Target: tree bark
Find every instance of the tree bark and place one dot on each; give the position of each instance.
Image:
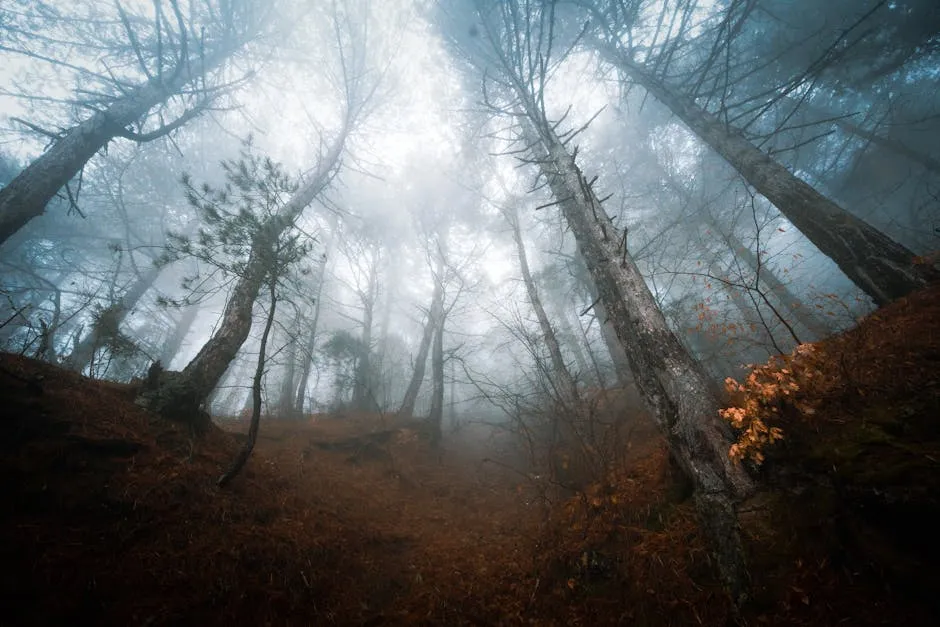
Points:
(26, 196)
(881, 267)
(204, 371)
(672, 383)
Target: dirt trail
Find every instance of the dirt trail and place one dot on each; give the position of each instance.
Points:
(444, 526)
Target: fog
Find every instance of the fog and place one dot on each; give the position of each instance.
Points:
(406, 126)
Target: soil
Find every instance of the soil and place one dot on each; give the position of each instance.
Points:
(112, 516)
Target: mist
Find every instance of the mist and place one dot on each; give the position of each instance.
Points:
(515, 222)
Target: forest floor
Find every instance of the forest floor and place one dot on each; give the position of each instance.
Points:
(111, 516)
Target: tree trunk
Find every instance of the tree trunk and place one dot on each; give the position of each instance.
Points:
(881, 267)
(83, 351)
(307, 355)
(205, 370)
(174, 343)
(436, 415)
(591, 353)
(243, 455)
(672, 383)
(435, 312)
(26, 196)
(202, 374)
(565, 387)
(573, 341)
(617, 354)
(285, 403)
(363, 385)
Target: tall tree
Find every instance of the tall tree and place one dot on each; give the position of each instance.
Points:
(566, 386)
(306, 355)
(250, 219)
(357, 87)
(883, 268)
(434, 314)
(176, 57)
(510, 45)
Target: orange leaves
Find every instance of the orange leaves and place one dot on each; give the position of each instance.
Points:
(760, 397)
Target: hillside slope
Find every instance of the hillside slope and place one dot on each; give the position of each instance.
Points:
(112, 516)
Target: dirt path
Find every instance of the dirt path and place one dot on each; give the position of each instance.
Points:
(445, 529)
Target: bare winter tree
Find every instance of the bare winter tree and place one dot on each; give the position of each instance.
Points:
(511, 47)
(561, 378)
(364, 253)
(434, 314)
(156, 73)
(880, 266)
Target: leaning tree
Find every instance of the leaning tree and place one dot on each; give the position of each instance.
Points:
(154, 69)
(513, 49)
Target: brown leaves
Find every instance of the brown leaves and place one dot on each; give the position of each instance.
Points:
(760, 398)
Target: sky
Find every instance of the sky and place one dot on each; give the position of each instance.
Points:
(417, 151)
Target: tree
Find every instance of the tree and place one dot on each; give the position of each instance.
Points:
(343, 349)
(286, 251)
(176, 56)
(510, 46)
(255, 424)
(880, 266)
(365, 256)
(250, 220)
(310, 345)
(433, 320)
(566, 386)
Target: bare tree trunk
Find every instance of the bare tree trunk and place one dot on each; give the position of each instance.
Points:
(881, 267)
(243, 455)
(174, 343)
(363, 385)
(672, 383)
(436, 415)
(83, 351)
(598, 373)
(566, 388)
(26, 196)
(435, 312)
(307, 354)
(286, 398)
(574, 342)
(618, 355)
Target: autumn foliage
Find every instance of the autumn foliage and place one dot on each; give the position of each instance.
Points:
(760, 397)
